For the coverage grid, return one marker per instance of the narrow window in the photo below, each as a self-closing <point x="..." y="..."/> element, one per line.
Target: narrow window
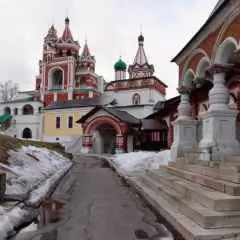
<point x="57" y="122"/>
<point x="70" y="122"/>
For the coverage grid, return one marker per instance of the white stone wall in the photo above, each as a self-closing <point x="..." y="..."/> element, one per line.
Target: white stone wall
<point x="147" y="96"/>
<point x="33" y="122"/>
<point x="61" y="139"/>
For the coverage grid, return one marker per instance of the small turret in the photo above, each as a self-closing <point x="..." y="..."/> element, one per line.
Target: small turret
<point x="140" y="66"/>
<point x="87" y="61"/>
<point x="51" y="35"/>
<point x="120" y="68"/>
<point x="66" y="44"/>
<point x="67" y="35"/>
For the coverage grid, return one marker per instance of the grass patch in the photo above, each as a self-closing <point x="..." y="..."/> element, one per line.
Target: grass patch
<point x="9" y="143"/>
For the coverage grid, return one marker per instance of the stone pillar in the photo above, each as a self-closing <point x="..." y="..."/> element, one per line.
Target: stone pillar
<point x="70" y="93"/>
<point x="120" y="143"/>
<point x="170" y="135"/>
<point x="219" y="122"/>
<point x="87" y="144"/>
<point x="185" y="127"/>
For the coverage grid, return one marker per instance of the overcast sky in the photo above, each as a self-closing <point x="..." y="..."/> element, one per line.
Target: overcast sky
<point x="110" y="26"/>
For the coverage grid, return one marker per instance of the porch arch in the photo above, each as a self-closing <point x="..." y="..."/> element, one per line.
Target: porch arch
<point x="224" y="51"/>
<point x="98" y="121"/>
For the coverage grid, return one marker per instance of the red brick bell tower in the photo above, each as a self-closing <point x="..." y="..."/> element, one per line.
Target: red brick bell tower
<point x="64" y="74"/>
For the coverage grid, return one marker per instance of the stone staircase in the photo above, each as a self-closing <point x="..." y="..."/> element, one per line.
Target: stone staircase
<point x="199" y="200"/>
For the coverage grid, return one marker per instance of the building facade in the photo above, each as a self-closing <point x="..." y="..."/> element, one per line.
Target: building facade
<point x="23" y="116"/>
<point x="121" y="126"/>
<point x="209" y="86"/>
<point x="68" y="89"/>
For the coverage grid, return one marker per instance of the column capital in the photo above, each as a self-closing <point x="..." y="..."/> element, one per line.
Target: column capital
<point x="219" y="68"/>
<point x="184" y="90"/>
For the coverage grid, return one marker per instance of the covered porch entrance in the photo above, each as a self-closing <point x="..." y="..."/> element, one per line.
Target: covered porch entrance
<point x="106" y="130"/>
<point x="104" y="139"/>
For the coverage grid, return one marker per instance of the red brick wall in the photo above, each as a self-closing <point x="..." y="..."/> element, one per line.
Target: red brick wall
<point x="48" y="99"/>
<point x="233" y="30"/>
<point x="207" y="45"/>
<point x="61" y="97"/>
<point x="195" y="60"/>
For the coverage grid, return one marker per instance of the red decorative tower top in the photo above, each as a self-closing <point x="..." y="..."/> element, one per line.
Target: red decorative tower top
<point x="67" y="35"/>
<point x="63" y="73"/>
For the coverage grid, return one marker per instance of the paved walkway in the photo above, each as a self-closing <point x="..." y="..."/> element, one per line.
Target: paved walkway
<point x="101" y="207"/>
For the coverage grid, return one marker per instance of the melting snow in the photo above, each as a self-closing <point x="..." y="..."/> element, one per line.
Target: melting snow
<point x="134" y="162"/>
<point x="32" y="166"/>
<point x="31" y="172"/>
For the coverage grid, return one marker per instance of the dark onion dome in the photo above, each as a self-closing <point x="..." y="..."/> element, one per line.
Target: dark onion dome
<point x="120" y="65"/>
<point x="67" y="20"/>
<point x="141" y="38"/>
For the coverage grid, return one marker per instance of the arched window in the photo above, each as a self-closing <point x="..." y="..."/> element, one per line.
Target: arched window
<point x="57" y="78"/>
<point x="15" y="111"/>
<point x="136" y="99"/>
<point x="27" y="133"/>
<point x="7" y="110"/>
<point x="27" y="109"/>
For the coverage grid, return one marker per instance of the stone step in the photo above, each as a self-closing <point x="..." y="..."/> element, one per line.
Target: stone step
<point x="210" y="182"/>
<point x="182" y="223"/>
<point x="221" y="172"/>
<point x="209" y="198"/>
<point x="203" y="216"/>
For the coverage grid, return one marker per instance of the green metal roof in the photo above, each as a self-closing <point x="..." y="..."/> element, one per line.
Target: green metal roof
<point x="5" y="117"/>
<point x="120" y="65"/>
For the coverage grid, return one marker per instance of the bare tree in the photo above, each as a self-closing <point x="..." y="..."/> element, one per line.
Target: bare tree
<point x="8" y="90"/>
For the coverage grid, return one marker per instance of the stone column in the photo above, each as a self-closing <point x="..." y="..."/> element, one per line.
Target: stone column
<point x="219" y="122"/>
<point x="120" y="143"/>
<point x="185" y="127"/>
<point x="87" y="144"/>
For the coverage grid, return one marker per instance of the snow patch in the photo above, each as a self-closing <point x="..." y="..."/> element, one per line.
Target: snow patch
<point x="10" y="219"/>
<point x="135" y="162"/>
<point x="31" y="173"/>
<point x="31" y="167"/>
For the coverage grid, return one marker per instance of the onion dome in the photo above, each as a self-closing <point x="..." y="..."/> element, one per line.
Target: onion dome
<point x="120" y="65"/>
<point x="141" y="38"/>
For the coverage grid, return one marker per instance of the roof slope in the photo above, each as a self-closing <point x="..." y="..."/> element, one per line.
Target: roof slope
<point x="218" y="5"/>
<point x="87" y="102"/>
<point x="121" y="115"/>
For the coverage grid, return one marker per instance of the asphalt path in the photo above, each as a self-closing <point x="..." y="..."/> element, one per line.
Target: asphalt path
<point x="99" y="206"/>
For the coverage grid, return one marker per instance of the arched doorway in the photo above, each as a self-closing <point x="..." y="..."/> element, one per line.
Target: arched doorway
<point x="104" y="139"/>
<point x="103" y="134"/>
<point x="27" y="133"/>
